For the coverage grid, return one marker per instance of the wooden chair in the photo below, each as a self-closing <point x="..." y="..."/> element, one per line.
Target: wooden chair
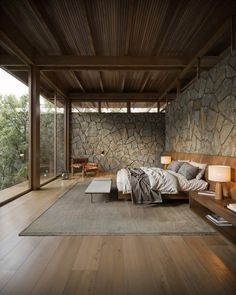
<point x="78" y="164"/>
<point x="90" y="167"/>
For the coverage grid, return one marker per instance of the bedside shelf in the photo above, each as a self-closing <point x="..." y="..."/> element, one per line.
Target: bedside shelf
<point x="203" y="204"/>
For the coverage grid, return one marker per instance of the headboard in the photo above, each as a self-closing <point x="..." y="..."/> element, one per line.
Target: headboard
<point x="229" y="189"/>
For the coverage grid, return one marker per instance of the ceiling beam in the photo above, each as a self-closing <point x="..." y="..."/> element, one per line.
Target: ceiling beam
<point x="106" y="63"/>
<point x="116" y="96"/>
<point x="193" y="61"/>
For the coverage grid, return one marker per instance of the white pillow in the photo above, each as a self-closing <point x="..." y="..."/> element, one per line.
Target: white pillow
<point x="202" y="168"/>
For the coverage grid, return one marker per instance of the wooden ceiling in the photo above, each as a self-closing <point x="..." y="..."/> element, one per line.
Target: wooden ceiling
<point x="123" y="48"/>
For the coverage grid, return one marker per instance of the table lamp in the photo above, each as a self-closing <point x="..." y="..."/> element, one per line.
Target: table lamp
<point x="219" y="174"/>
<point x="165" y="160"/>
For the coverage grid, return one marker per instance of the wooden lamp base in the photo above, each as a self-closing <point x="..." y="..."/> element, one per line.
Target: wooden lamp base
<point x="218" y="191"/>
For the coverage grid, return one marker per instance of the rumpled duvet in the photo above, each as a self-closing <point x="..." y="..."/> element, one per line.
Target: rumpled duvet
<point x="141" y="191"/>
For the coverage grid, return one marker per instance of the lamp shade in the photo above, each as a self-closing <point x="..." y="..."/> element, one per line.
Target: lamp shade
<point x="165" y="160"/>
<point x="219" y="173"/>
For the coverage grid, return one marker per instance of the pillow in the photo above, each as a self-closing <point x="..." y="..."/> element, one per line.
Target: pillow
<point x="174" y="166"/>
<point x="202" y="168"/>
<point x="184" y="161"/>
<point x="188" y="171"/>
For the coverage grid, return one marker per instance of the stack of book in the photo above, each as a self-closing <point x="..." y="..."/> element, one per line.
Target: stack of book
<point x="218" y="220"/>
<point x="232" y="207"/>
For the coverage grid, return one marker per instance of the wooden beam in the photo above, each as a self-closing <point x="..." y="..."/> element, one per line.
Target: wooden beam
<point x="200" y="53"/>
<point x="116" y="63"/>
<point x="233" y="33"/>
<point x="115" y="96"/>
<point x="34" y="128"/>
<point x="67" y="113"/>
<point x="198" y="67"/>
<point x="178" y="87"/>
<point x="10" y="60"/>
<point x="80" y="63"/>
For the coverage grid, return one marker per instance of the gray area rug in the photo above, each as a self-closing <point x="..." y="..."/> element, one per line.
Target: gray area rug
<point x="73" y="214"/>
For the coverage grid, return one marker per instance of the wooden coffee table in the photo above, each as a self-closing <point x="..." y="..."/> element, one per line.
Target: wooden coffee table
<point x="99" y="186"/>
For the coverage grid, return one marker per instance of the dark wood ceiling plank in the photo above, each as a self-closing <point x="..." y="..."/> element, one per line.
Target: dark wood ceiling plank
<point x="91" y="40"/>
<point x="211" y="41"/>
<point x="44" y="18"/>
<point x="144" y="83"/>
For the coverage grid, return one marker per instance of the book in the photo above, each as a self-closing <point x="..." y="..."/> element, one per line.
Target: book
<point x="218" y="220"/>
<point x="207" y="193"/>
<point x="232" y="207"/>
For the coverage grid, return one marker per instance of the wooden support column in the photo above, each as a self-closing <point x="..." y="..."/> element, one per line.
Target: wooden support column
<point x="55" y="135"/>
<point x="34" y="128"/>
<point x="67" y="113"/>
<point x="233" y="33"/>
<point x="128" y="107"/>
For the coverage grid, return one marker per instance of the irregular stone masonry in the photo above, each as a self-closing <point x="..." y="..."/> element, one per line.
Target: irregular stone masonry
<point x="203" y="118"/>
<point x="127" y="139"/>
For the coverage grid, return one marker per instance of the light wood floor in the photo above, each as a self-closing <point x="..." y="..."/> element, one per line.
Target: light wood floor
<point x="107" y="264"/>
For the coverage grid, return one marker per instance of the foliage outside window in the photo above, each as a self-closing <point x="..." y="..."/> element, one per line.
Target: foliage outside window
<point x="14" y="121"/>
<point x="84" y="107"/>
<point x="114" y="107"/>
<point x="144" y="107"/>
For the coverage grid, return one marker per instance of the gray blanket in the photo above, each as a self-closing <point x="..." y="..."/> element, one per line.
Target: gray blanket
<point x="141" y="191"/>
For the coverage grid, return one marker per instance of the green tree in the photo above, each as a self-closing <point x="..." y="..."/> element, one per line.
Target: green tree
<point x="13" y="140"/>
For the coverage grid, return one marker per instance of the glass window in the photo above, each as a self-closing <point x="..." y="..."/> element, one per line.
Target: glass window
<point x="47" y="156"/>
<point x="144" y="107"/>
<point x="84" y="107"/>
<point x="114" y="107"/>
<point x="14" y="135"/>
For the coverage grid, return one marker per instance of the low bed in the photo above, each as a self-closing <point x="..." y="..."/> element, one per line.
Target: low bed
<point x="169" y="184"/>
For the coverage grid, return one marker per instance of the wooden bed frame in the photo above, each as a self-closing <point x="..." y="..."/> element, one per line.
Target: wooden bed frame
<point x="229" y="189"/>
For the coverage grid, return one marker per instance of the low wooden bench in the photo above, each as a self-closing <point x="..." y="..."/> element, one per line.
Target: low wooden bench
<point x="99" y="186"/>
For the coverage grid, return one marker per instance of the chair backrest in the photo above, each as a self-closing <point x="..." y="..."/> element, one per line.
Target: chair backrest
<point x="79" y="160"/>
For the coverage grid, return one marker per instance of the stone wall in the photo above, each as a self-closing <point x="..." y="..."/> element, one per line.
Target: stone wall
<point x="126" y="139"/>
<point x="203" y="118"/>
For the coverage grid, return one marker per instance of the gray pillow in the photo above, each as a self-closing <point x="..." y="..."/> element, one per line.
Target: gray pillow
<point x="188" y="171"/>
<point x="174" y="166"/>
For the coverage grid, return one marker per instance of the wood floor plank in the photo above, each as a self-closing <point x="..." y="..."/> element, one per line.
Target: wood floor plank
<point x="110" y="274"/>
<point x="89" y="253"/>
<point x="215" y="266"/>
<point x="190" y="268"/>
<point x="27" y="276"/>
<point x="55" y="275"/>
<point x="81" y="282"/>
<point x="139" y="277"/>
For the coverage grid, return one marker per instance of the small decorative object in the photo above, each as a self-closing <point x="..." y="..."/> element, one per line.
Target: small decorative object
<point x="165" y="160"/>
<point x="102" y="153"/>
<point x="65" y="175"/>
<point x="219" y="174"/>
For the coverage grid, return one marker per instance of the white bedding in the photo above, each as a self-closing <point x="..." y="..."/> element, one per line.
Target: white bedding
<point x="183" y="184"/>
